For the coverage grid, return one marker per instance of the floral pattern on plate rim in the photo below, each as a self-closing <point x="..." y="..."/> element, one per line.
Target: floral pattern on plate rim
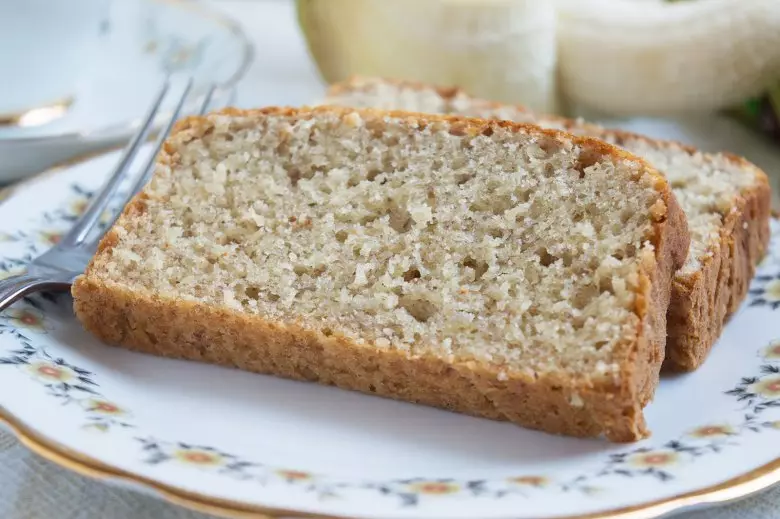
<point x="755" y="394"/>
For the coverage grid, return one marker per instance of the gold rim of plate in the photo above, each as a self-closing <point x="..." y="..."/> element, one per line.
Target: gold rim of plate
<point x="38" y="115"/>
<point x="744" y="485"/>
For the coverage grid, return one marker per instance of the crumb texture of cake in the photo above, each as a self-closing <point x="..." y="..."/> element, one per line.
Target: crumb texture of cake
<point x="498" y="254"/>
<point x="707" y="186"/>
<point x="725" y="198"/>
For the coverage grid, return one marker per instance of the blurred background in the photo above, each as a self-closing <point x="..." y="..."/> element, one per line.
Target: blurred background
<point x="704" y="72"/>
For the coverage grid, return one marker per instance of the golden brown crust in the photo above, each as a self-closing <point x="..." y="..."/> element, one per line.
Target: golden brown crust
<point x="671" y="254"/>
<point x="702" y="301"/>
<point x="192" y="331"/>
<point x="550" y="402"/>
<point x="196" y="126"/>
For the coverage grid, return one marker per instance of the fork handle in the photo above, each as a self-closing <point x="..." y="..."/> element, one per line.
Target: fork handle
<point x="16" y="287"/>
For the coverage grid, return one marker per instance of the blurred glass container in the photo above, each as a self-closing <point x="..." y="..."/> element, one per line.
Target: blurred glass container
<point x="504" y="50"/>
<point x="623" y="58"/>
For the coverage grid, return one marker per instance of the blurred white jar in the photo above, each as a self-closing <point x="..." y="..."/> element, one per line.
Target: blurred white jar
<point x="504" y="50"/>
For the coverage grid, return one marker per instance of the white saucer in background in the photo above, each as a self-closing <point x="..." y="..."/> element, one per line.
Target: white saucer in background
<point x="91" y="79"/>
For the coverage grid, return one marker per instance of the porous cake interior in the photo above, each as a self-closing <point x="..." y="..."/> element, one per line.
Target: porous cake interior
<point x="500" y="246"/>
<point x="704" y="185"/>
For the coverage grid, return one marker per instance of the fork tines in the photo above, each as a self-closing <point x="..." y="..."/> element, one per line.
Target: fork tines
<point x="81" y="230"/>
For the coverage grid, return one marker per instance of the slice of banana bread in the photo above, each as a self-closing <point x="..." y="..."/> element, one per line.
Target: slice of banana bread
<point x="490" y="268"/>
<point x="725" y="198"/>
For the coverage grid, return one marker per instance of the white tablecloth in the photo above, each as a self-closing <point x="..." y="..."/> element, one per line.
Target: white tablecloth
<point x="33" y="488"/>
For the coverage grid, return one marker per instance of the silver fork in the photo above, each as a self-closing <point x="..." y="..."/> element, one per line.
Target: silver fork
<point x="56" y="268"/>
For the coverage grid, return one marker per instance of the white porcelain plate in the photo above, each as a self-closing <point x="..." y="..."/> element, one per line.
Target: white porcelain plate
<point x="231" y="442"/>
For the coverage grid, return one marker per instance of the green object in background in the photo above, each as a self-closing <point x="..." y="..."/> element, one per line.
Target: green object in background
<point x="762" y="113"/>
